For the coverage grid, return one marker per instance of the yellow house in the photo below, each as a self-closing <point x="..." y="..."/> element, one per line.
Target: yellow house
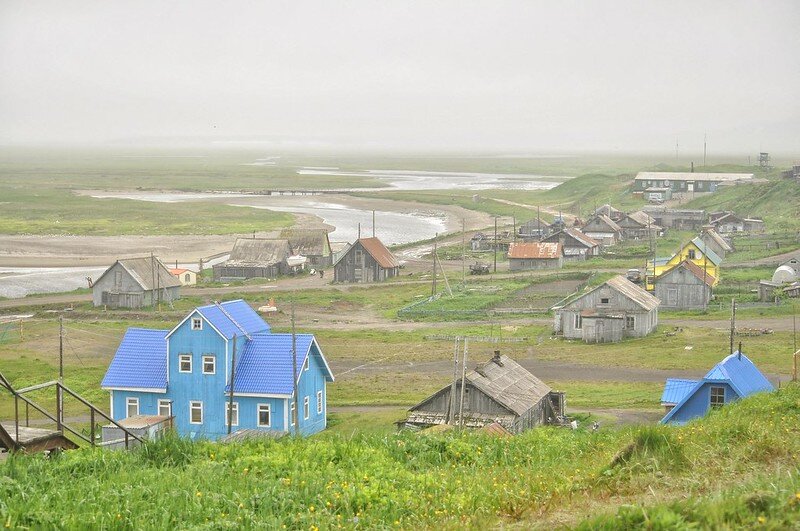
<point x="696" y="251"/>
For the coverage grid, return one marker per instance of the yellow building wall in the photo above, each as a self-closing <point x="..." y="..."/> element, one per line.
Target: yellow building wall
<point x="699" y="259"/>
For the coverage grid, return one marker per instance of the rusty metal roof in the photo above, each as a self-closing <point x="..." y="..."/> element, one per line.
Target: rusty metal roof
<point x="379" y="252"/>
<point x="534" y="250"/>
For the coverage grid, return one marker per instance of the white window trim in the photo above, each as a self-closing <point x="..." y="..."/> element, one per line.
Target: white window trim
<point x="192" y="403"/>
<point x="292" y="415"/>
<point x="198" y="321"/>
<point x="235" y="414"/>
<point x="164" y="402"/>
<point x="306" y="408"/>
<point x="577" y="321"/>
<point x="319" y="403"/>
<point x="259" y="409"/>
<point x="213" y="364"/>
<point x="181" y="359"/>
<point x="131" y="401"/>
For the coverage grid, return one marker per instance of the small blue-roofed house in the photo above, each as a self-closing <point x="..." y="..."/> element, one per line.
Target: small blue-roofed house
<point x="186" y="373"/>
<point x="733" y="378"/>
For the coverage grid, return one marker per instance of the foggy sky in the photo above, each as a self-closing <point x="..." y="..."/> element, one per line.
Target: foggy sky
<point x="526" y="77"/>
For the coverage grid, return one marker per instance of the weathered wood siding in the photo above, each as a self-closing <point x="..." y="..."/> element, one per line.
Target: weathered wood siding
<point x="644" y="321"/>
<point x="118" y="289"/>
<point x="357" y="265"/>
<point x="524" y="264"/>
<point x="680" y="289"/>
<point x="222" y="271"/>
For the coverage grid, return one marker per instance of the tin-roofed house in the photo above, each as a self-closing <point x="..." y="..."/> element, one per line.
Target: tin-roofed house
<point x="535" y="255"/>
<point x="311" y="243"/>
<point x="603" y="229"/>
<point x="638" y="226"/>
<point x="685" y="286"/>
<point x="733" y="378"/>
<point x="615" y="309"/>
<point x="575" y="244"/>
<point x="498" y="391"/>
<point x="695" y="251"/>
<point x="367" y="260"/>
<point x="185" y="373"/>
<point x="255" y="258"/>
<point x="135" y="283"/>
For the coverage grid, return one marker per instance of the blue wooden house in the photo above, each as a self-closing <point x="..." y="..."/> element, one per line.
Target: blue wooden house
<point x="186" y="372"/>
<point x="733" y="378"/>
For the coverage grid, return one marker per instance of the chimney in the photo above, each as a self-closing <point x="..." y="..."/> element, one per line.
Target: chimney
<point x="740" y="350"/>
<point x="496" y="358"/>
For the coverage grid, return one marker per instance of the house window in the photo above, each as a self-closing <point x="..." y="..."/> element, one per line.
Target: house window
<point x="185" y="363"/>
<point x="578" y="321"/>
<point x="293" y="415"/>
<point x="209" y="364"/>
<point x="717" y="396"/>
<point x="195" y="412"/>
<point x="164" y="408"/>
<point x="263" y="416"/>
<point x="306" y="408"/>
<point x="132" y="406"/>
<point x="197" y="323"/>
<point x="187" y="278"/>
<point x="319" y="402"/>
<point x="234" y="413"/>
<point x="630" y="322"/>
<point x="604" y="300"/>
<point x="692" y="254"/>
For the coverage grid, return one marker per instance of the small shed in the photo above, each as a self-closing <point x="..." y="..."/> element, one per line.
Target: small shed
<point x="311" y="243"/>
<point x="716" y="242"/>
<point x="146" y="427"/>
<point x="367" y="260"/>
<point x="726" y="222"/>
<point x="535" y="255"/>
<point x="576" y="245"/>
<point x="186" y="277"/>
<point x="685" y="286"/>
<point x="498" y="391"/>
<point x="603" y="229"/>
<point x="534" y="229"/>
<point x="255" y="258"/>
<point x="754" y="225"/>
<point x="480" y="242"/>
<point x="135" y="283"/>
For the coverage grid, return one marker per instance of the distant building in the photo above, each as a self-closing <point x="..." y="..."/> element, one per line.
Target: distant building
<point x="603" y="229"/>
<point x="733" y="378"/>
<point x="367" y="260"/>
<point x="311" y="243"/>
<point x="255" y="258"/>
<point x="534" y="230"/>
<point x="615" y="309"/>
<point x="685" y="286"/>
<point x="695" y="251"/>
<point x="716" y="242"/>
<point x="679" y="219"/>
<point x="638" y="226"/>
<point x="576" y="245"/>
<point x="787" y="272"/>
<point x="726" y="222"/>
<point x="186" y="277"/>
<point x="609" y="211"/>
<point x="480" y="242"/>
<point x="339" y="249"/>
<point x="754" y="225"/>
<point x="535" y="255"/>
<point x="498" y="391"/>
<point x="135" y="283"/>
<point x="658" y="194"/>
<point x="687" y="182"/>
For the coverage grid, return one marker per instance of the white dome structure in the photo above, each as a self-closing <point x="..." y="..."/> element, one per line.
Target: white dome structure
<point x="784" y="274"/>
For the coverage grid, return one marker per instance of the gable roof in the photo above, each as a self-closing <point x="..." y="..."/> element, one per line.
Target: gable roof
<point x="692" y="176"/>
<point x="643" y="218"/>
<point x="610" y="223"/>
<point x="179" y="270"/>
<point x="719" y="240"/>
<point x="266" y="364"/>
<point x="307" y="242"/>
<point x="147" y="271"/>
<point x="694" y="269"/>
<point x="675" y="389"/>
<point x="232" y="318"/>
<point x="258" y="252"/>
<point x="140" y="361"/>
<point x="379" y="252"/>
<point x="582" y="238"/>
<point x="724" y="216"/>
<point x="534" y="250"/>
<point x="633" y="292"/>
<point x="706" y="250"/>
<point x="736" y="370"/>
<point x="534" y="224"/>
<point x="509" y="383"/>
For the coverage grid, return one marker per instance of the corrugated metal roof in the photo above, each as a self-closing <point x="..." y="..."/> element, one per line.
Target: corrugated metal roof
<point x="258" y="252"/>
<point x="509" y="383"/>
<point x="675" y="389"/>
<point x="581" y="237"/>
<point x="234" y="318"/>
<point x="140" y="361"/>
<point x="691" y="176"/>
<point x="693" y="268"/>
<point x="307" y="242"/>
<point x="379" y="252"/>
<point x="534" y="250"/>
<point x="705" y="249"/>
<point x="148" y="272"/>
<point x="633" y="292"/>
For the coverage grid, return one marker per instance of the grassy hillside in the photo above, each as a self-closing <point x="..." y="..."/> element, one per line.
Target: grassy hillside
<point x="737" y="468"/>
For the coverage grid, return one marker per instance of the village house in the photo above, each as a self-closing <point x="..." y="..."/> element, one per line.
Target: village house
<point x="367" y="260"/>
<point x="695" y="251"/>
<point x="312" y="244"/>
<point x="576" y="245"/>
<point x="685" y="286"/>
<point x="787" y="272"/>
<point x="255" y="258"/>
<point x="615" y="309"/>
<point x="186" y="373"/>
<point x="535" y="255"/>
<point x="135" y="283"/>
<point x="733" y="378"/>
<point x="726" y="222"/>
<point x="603" y="229"/>
<point x="716" y="242"/>
<point x="679" y="219"/>
<point x="609" y="211"/>
<point x="638" y="226"/>
<point x="480" y="242"/>
<point x="186" y="277"/>
<point x="534" y="230"/>
<point x="498" y="391"/>
<point x="687" y="182"/>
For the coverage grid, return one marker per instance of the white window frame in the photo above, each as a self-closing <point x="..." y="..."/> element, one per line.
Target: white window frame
<point x="197" y="323"/>
<point x="165" y="403"/>
<point x="182" y="358"/>
<point x="207" y="357"/>
<point x="319" y="403"/>
<point x="193" y="405"/>
<point x="259" y="409"/>
<point x="578" y="321"/>
<point x="235" y="419"/>
<point x="306" y="408"/>
<point x="292" y="414"/>
<point x="131" y="401"/>
<point x="632" y="321"/>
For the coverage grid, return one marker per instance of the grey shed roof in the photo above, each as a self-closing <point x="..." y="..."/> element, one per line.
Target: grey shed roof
<point x="148" y="272"/>
<point x="509" y="383"/>
<point x="625" y="287"/>
<point x="258" y="252"/>
<point x="715" y="236"/>
<point x="307" y="242"/>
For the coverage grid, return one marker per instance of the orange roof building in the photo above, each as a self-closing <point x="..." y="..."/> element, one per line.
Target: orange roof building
<point x="535" y="255"/>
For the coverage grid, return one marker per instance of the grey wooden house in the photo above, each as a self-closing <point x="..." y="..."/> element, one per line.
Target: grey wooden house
<point x="575" y="244"/>
<point x="497" y="391"/>
<point x="311" y="243"/>
<point x="534" y="230"/>
<point x="367" y="260"/>
<point x="603" y="229"/>
<point x="135" y="283"/>
<point x="674" y="218"/>
<point x="535" y="255"/>
<point x="638" y="226"/>
<point x="716" y="242"/>
<point x="686" y="286"/>
<point x="616" y="309"/>
<point x="255" y="258"/>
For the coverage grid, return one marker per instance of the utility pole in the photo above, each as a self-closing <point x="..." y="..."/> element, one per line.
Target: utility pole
<point x="704" y="149"/>
<point x="463" y="386"/>
<point x="373" y="223"/>
<point x="463" y="254"/>
<point x="495" y="244"/>
<point x="230" y="395"/>
<point x="433" y="281"/>
<point x="153" y="278"/>
<point x="451" y="413"/>
<point x="59" y="389"/>
<point x="295" y="376"/>
<point x="733" y="321"/>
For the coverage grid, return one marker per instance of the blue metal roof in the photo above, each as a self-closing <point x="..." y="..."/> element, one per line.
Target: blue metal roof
<point x="266" y="364"/>
<point x="240" y="320"/>
<point x="712" y="256"/>
<point x="140" y="361"/>
<point x="676" y="389"/>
